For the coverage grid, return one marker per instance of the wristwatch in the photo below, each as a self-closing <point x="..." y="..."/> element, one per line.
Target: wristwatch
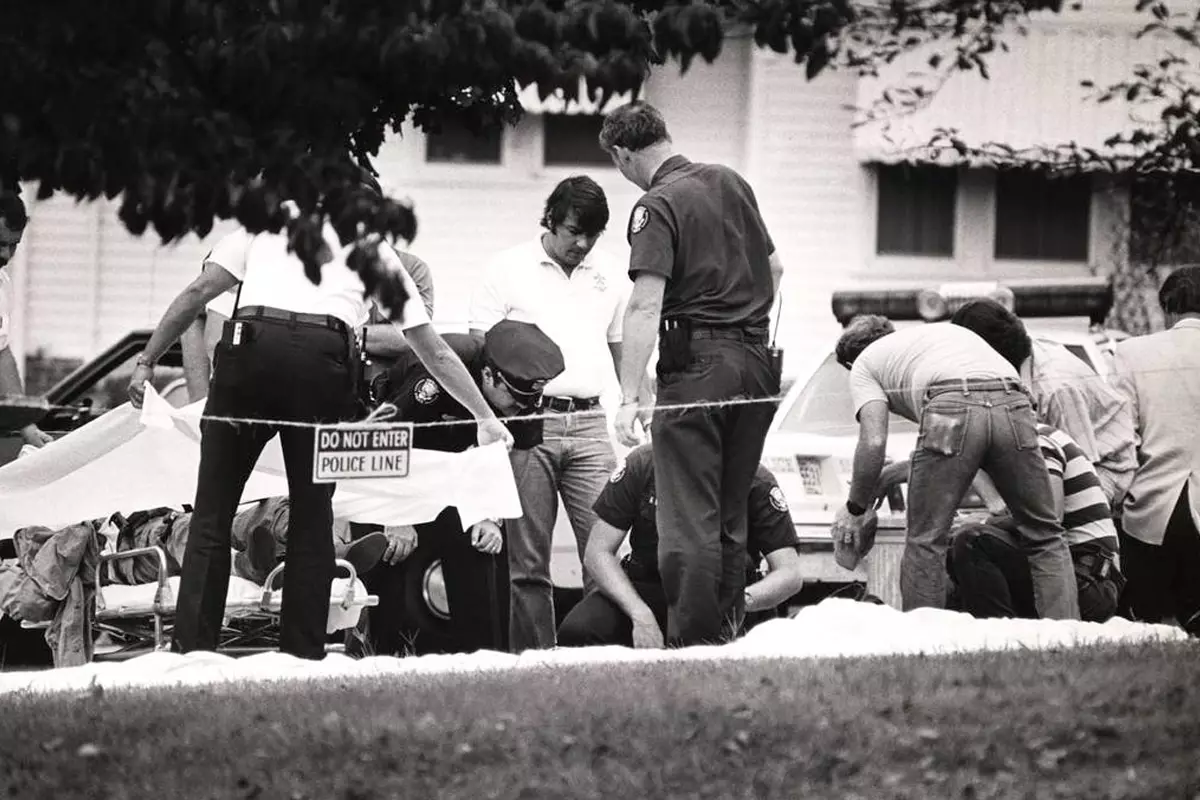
<point x="854" y="509"/>
<point x="144" y="360"/>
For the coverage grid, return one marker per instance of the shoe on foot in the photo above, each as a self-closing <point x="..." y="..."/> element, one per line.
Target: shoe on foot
<point x="260" y="552"/>
<point x="365" y="553"/>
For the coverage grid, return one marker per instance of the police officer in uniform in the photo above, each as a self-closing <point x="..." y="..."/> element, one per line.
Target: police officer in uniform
<point x="705" y="275"/>
<point x="286" y="355"/>
<point x="628" y="607"/>
<point x="511" y="364"/>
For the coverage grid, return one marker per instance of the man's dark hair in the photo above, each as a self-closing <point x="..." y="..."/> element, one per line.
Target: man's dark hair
<point x="999" y="327"/>
<point x="582" y="195"/>
<point x="634" y="126"/>
<point x="1180" y="292"/>
<point x="862" y="331"/>
<point x="12" y="211"/>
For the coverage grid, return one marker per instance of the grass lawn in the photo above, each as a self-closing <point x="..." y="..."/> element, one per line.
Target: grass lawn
<point x="1084" y="723"/>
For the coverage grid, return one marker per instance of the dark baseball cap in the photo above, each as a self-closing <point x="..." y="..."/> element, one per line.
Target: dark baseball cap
<point x="526" y="358"/>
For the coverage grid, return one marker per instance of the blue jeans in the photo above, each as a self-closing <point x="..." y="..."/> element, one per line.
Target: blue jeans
<point x="967" y="426"/>
<point x="575" y="460"/>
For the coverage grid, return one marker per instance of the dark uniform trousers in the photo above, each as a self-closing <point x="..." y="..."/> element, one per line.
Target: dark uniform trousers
<point x="284" y="370"/>
<point x="596" y="620"/>
<point x="705" y="459"/>
<point x="473" y="583"/>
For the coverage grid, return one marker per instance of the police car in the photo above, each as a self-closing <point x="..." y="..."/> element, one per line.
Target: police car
<point x="810" y="447"/>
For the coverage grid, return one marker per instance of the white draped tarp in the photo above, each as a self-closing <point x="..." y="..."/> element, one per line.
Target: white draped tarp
<point x="128" y="460"/>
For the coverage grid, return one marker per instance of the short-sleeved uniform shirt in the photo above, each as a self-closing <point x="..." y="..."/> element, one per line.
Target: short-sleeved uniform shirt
<point x="898" y="368"/>
<point x="273" y="276"/>
<point x="1086" y="514"/>
<point x="627" y="502"/>
<point x="418" y="398"/>
<point x="699" y="227"/>
<point x="417" y="269"/>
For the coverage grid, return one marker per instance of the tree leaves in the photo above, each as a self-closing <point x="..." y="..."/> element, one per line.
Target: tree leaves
<point x="193" y="111"/>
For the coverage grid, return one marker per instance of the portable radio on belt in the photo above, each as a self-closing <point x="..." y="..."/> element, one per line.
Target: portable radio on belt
<point x="774" y="352"/>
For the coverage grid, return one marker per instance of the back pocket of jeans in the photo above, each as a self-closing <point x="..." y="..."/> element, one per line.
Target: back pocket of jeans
<point x="1024" y="425"/>
<point x="943" y="431"/>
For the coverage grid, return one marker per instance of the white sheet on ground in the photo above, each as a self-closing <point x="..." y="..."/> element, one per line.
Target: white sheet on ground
<point x="128" y="460"/>
<point x="832" y="628"/>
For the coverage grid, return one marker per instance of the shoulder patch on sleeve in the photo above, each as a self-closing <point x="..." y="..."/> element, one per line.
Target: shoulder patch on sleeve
<point x="426" y="391"/>
<point x="618" y="473"/>
<point x="777" y="499"/>
<point x="639" y="219"/>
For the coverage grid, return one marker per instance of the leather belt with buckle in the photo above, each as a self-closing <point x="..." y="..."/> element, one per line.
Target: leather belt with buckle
<point x="565" y="405"/>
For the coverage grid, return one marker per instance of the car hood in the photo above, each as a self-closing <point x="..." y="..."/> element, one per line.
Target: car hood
<point x="813" y="498"/>
<point x="899" y="445"/>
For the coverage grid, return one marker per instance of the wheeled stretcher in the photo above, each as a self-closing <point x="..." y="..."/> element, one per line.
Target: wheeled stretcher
<point x="140" y="618"/>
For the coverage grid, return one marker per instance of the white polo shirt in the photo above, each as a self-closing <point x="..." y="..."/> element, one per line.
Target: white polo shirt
<point x="271" y="276"/>
<point x="582" y="312"/>
<point x="6" y="306"/>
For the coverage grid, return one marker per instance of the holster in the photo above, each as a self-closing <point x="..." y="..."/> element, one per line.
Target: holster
<point x="358" y="361"/>
<point x="637" y="571"/>
<point x="1097" y="565"/>
<point x="674" y="345"/>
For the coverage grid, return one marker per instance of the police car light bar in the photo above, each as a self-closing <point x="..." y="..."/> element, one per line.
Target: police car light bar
<point x="1090" y="297"/>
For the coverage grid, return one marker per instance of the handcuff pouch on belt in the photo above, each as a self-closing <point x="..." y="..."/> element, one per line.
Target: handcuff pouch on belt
<point x="674" y="345"/>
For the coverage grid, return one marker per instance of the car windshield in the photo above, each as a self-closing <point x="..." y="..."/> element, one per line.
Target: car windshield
<point x="824" y="407"/>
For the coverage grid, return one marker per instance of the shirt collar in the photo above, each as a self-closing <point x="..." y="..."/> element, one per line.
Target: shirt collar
<point x="546" y="261"/>
<point x="667" y="167"/>
<point x="1187" y="322"/>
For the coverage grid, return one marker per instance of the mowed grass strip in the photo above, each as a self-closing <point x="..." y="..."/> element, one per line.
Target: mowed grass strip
<point x="1094" y="722"/>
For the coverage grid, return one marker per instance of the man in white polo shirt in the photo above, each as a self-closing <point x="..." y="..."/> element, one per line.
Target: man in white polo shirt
<point x="577" y="296"/>
<point x="286" y="356"/>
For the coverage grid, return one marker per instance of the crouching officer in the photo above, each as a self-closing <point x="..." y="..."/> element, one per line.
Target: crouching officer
<point x="510" y="364"/>
<point x="628" y="606"/>
<point x="285" y="356"/>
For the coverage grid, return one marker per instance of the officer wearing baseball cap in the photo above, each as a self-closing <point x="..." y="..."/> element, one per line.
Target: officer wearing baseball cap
<point x="510" y="364"/>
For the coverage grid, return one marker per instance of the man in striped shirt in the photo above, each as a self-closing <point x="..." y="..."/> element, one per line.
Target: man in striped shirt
<point x="989" y="572"/>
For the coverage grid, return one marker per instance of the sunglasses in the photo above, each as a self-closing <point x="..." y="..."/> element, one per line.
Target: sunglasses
<point x="527" y="401"/>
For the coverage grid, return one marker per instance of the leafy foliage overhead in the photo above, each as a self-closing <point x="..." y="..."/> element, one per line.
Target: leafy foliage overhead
<point x="196" y="110"/>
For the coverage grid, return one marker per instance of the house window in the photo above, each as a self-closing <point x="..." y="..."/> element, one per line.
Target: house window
<point x="455" y="144"/>
<point x="1042" y="218"/>
<point x="916" y="210"/>
<point x="573" y="140"/>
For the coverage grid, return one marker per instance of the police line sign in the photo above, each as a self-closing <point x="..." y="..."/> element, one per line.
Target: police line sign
<point x="345" y="452"/>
